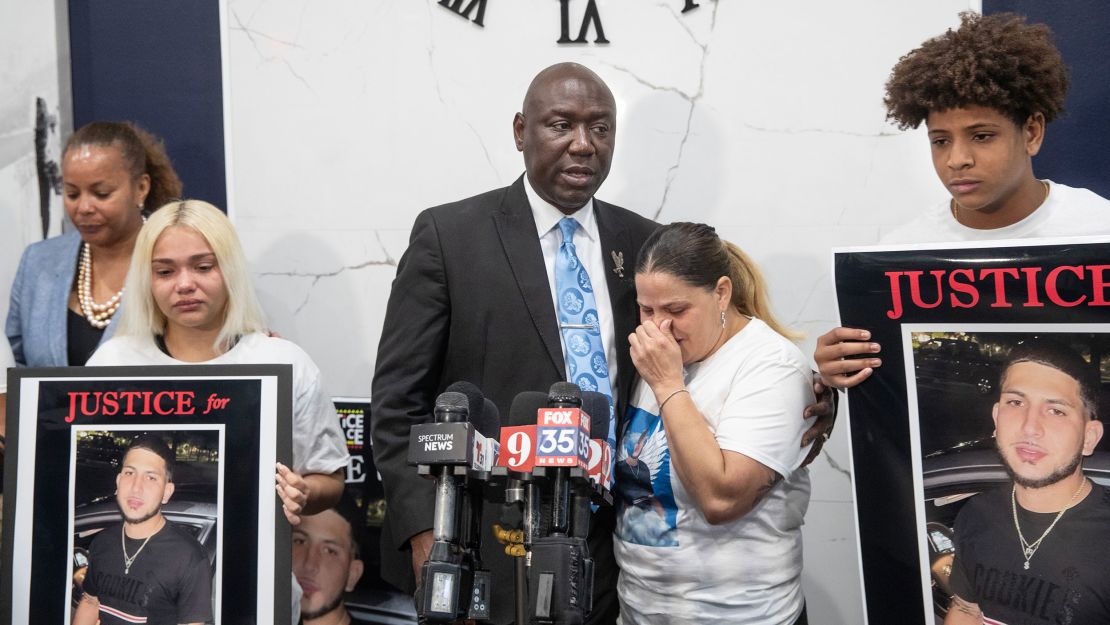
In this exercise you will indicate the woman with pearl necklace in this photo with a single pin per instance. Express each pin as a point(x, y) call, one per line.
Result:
point(69, 288)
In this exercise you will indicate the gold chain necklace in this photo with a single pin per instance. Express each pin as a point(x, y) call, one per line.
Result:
point(1027, 548)
point(954, 206)
point(128, 561)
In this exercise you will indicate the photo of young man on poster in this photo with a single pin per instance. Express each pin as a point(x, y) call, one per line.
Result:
point(60, 503)
point(1011, 523)
point(145, 567)
point(948, 317)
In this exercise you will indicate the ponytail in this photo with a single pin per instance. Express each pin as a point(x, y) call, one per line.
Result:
point(165, 185)
point(749, 291)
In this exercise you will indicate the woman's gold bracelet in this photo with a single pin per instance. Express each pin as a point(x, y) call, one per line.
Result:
point(664, 402)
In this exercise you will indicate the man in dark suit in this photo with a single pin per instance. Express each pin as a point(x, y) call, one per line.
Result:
point(474, 300)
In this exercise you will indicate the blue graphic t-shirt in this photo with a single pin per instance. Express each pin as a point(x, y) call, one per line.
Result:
point(644, 498)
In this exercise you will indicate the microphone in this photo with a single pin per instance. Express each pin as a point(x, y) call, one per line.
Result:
point(598, 467)
point(518, 444)
point(485, 420)
point(451, 413)
point(458, 451)
point(522, 496)
point(437, 448)
point(489, 427)
point(562, 436)
point(518, 438)
point(599, 463)
point(545, 443)
point(560, 576)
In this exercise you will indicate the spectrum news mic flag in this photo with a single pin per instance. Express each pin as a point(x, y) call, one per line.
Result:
point(457, 449)
point(552, 465)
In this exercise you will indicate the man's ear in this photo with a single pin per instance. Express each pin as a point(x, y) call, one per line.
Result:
point(354, 573)
point(518, 131)
point(994, 417)
point(167, 493)
point(1092, 434)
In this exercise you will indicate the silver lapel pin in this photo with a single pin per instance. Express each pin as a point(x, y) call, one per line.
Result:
point(618, 263)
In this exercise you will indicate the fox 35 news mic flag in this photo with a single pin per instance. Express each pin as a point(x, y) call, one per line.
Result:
point(546, 458)
point(920, 426)
point(68, 431)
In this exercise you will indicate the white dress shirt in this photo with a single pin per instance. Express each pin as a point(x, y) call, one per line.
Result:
point(588, 245)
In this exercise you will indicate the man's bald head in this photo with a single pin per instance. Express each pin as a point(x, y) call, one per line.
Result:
point(560, 72)
point(566, 131)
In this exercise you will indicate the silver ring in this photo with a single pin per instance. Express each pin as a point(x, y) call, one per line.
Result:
point(825, 436)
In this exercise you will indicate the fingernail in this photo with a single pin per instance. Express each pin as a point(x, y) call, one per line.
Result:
point(875, 362)
point(874, 347)
point(865, 335)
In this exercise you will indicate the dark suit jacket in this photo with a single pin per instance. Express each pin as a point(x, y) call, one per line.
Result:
point(472, 302)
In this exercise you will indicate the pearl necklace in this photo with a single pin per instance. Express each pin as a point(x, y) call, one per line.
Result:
point(98, 315)
point(1030, 548)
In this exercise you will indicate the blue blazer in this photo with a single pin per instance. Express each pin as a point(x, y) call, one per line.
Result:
point(36, 326)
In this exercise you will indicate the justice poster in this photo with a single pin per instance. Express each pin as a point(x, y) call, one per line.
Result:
point(921, 428)
point(185, 453)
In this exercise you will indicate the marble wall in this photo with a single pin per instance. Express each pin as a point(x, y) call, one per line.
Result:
point(765, 119)
point(29, 98)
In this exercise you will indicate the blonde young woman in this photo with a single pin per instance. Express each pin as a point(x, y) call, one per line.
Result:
point(190, 301)
point(711, 492)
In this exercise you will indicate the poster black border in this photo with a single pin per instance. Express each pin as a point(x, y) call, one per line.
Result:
point(879, 443)
point(282, 374)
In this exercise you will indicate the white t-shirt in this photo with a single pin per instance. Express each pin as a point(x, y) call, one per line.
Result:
point(675, 566)
point(1066, 212)
point(318, 443)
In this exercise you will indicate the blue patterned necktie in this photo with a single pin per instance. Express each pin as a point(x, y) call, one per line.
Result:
point(578, 321)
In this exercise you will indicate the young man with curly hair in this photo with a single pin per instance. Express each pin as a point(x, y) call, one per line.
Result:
point(985, 92)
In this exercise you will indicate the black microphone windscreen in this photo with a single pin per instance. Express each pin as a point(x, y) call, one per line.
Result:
point(453, 401)
point(525, 406)
point(597, 406)
point(474, 396)
point(565, 392)
point(488, 421)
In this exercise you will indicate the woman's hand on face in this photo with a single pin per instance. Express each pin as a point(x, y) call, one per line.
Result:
point(657, 356)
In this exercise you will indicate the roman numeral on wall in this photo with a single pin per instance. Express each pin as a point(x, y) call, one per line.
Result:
point(591, 17)
point(456, 7)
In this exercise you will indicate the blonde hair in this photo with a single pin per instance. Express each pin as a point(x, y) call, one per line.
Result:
point(696, 255)
point(243, 314)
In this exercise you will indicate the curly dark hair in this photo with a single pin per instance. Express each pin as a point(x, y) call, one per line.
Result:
point(997, 61)
point(143, 153)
